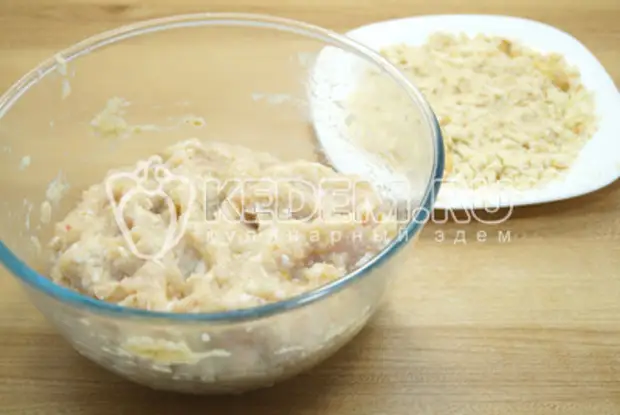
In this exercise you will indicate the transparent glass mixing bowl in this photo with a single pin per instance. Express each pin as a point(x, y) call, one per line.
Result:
point(250, 78)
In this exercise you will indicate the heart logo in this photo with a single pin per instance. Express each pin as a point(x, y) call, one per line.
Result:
point(155, 168)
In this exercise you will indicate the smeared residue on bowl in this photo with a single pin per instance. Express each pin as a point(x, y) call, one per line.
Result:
point(289, 349)
point(306, 59)
point(273, 98)
point(57, 188)
point(28, 205)
point(168, 352)
point(25, 162)
point(283, 99)
point(36, 244)
point(62, 69)
point(54, 193)
point(45, 212)
point(110, 123)
point(194, 121)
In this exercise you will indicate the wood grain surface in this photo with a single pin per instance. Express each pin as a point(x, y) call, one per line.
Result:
point(522, 318)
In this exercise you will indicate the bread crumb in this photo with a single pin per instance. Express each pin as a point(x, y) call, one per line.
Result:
point(511, 123)
point(506, 47)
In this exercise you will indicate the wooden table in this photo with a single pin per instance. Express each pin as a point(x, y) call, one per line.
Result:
point(525, 325)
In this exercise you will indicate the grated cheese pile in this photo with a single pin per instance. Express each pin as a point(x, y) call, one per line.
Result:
point(510, 116)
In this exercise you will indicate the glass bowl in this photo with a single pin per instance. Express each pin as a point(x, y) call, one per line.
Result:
point(239, 78)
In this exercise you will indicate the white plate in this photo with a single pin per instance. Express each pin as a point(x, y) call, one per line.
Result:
point(597, 165)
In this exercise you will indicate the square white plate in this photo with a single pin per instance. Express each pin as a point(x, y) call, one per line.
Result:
point(597, 165)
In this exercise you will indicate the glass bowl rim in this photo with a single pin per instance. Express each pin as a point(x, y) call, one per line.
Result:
point(70, 297)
